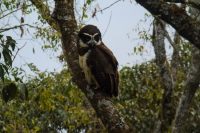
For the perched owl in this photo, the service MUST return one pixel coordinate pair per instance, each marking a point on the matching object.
(97, 61)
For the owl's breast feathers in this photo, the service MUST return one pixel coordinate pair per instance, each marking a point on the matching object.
(103, 66)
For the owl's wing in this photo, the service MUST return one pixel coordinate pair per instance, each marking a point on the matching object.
(103, 66)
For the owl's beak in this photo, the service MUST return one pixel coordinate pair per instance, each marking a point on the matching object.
(92, 44)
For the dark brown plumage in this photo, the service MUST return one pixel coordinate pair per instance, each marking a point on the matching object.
(97, 61)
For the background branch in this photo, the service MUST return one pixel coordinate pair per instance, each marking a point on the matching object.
(45, 13)
(175, 63)
(109, 6)
(166, 114)
(12, 12)
(15, 27)
(18, 49)
(177, 17)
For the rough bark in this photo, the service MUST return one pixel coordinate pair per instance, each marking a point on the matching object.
(166, 114)
(191, 85)
(175, 63)
(63, 17)
(177, 17)
(44, 11)
(192, 3)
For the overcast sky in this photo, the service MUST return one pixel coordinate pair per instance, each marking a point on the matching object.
(118, 25)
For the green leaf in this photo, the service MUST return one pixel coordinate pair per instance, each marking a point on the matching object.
(5, 68)
(1, 36)
(11, 42)
(1, 72)
(7, 57)
(89, 2)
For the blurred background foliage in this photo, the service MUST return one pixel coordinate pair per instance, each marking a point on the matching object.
(50, 102)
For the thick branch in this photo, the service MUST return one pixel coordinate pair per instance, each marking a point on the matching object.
(64, 15)
(177, 17)
(192, 3)
(166, 114)
(44, 11)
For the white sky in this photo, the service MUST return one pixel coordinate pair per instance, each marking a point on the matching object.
(121, 19)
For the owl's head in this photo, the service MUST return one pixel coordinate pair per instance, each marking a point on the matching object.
(89, 36)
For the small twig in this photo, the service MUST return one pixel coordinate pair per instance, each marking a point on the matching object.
(18, 51)
(15, 27)
(109, 6)
(108, 24)
(12, 12)
(169, 39)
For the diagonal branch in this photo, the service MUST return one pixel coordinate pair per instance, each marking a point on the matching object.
(14, 27)
(166, 114)
(5, 15)
(177, 17)
(175, 62)
(109, 6)
(44, 11)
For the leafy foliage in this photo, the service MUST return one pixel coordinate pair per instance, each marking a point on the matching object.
(141, 95)
(53, 104)
(8, 46)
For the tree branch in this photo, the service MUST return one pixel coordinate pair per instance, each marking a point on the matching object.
(14, 27)
(166, 114)
(177, 17)
(18, 49)
(64, 15)
(109, 6)
(44, 11)
(175, 62)
(191, 3)
(12, 12)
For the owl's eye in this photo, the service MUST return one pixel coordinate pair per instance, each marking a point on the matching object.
(96, 38)
(86, 38)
